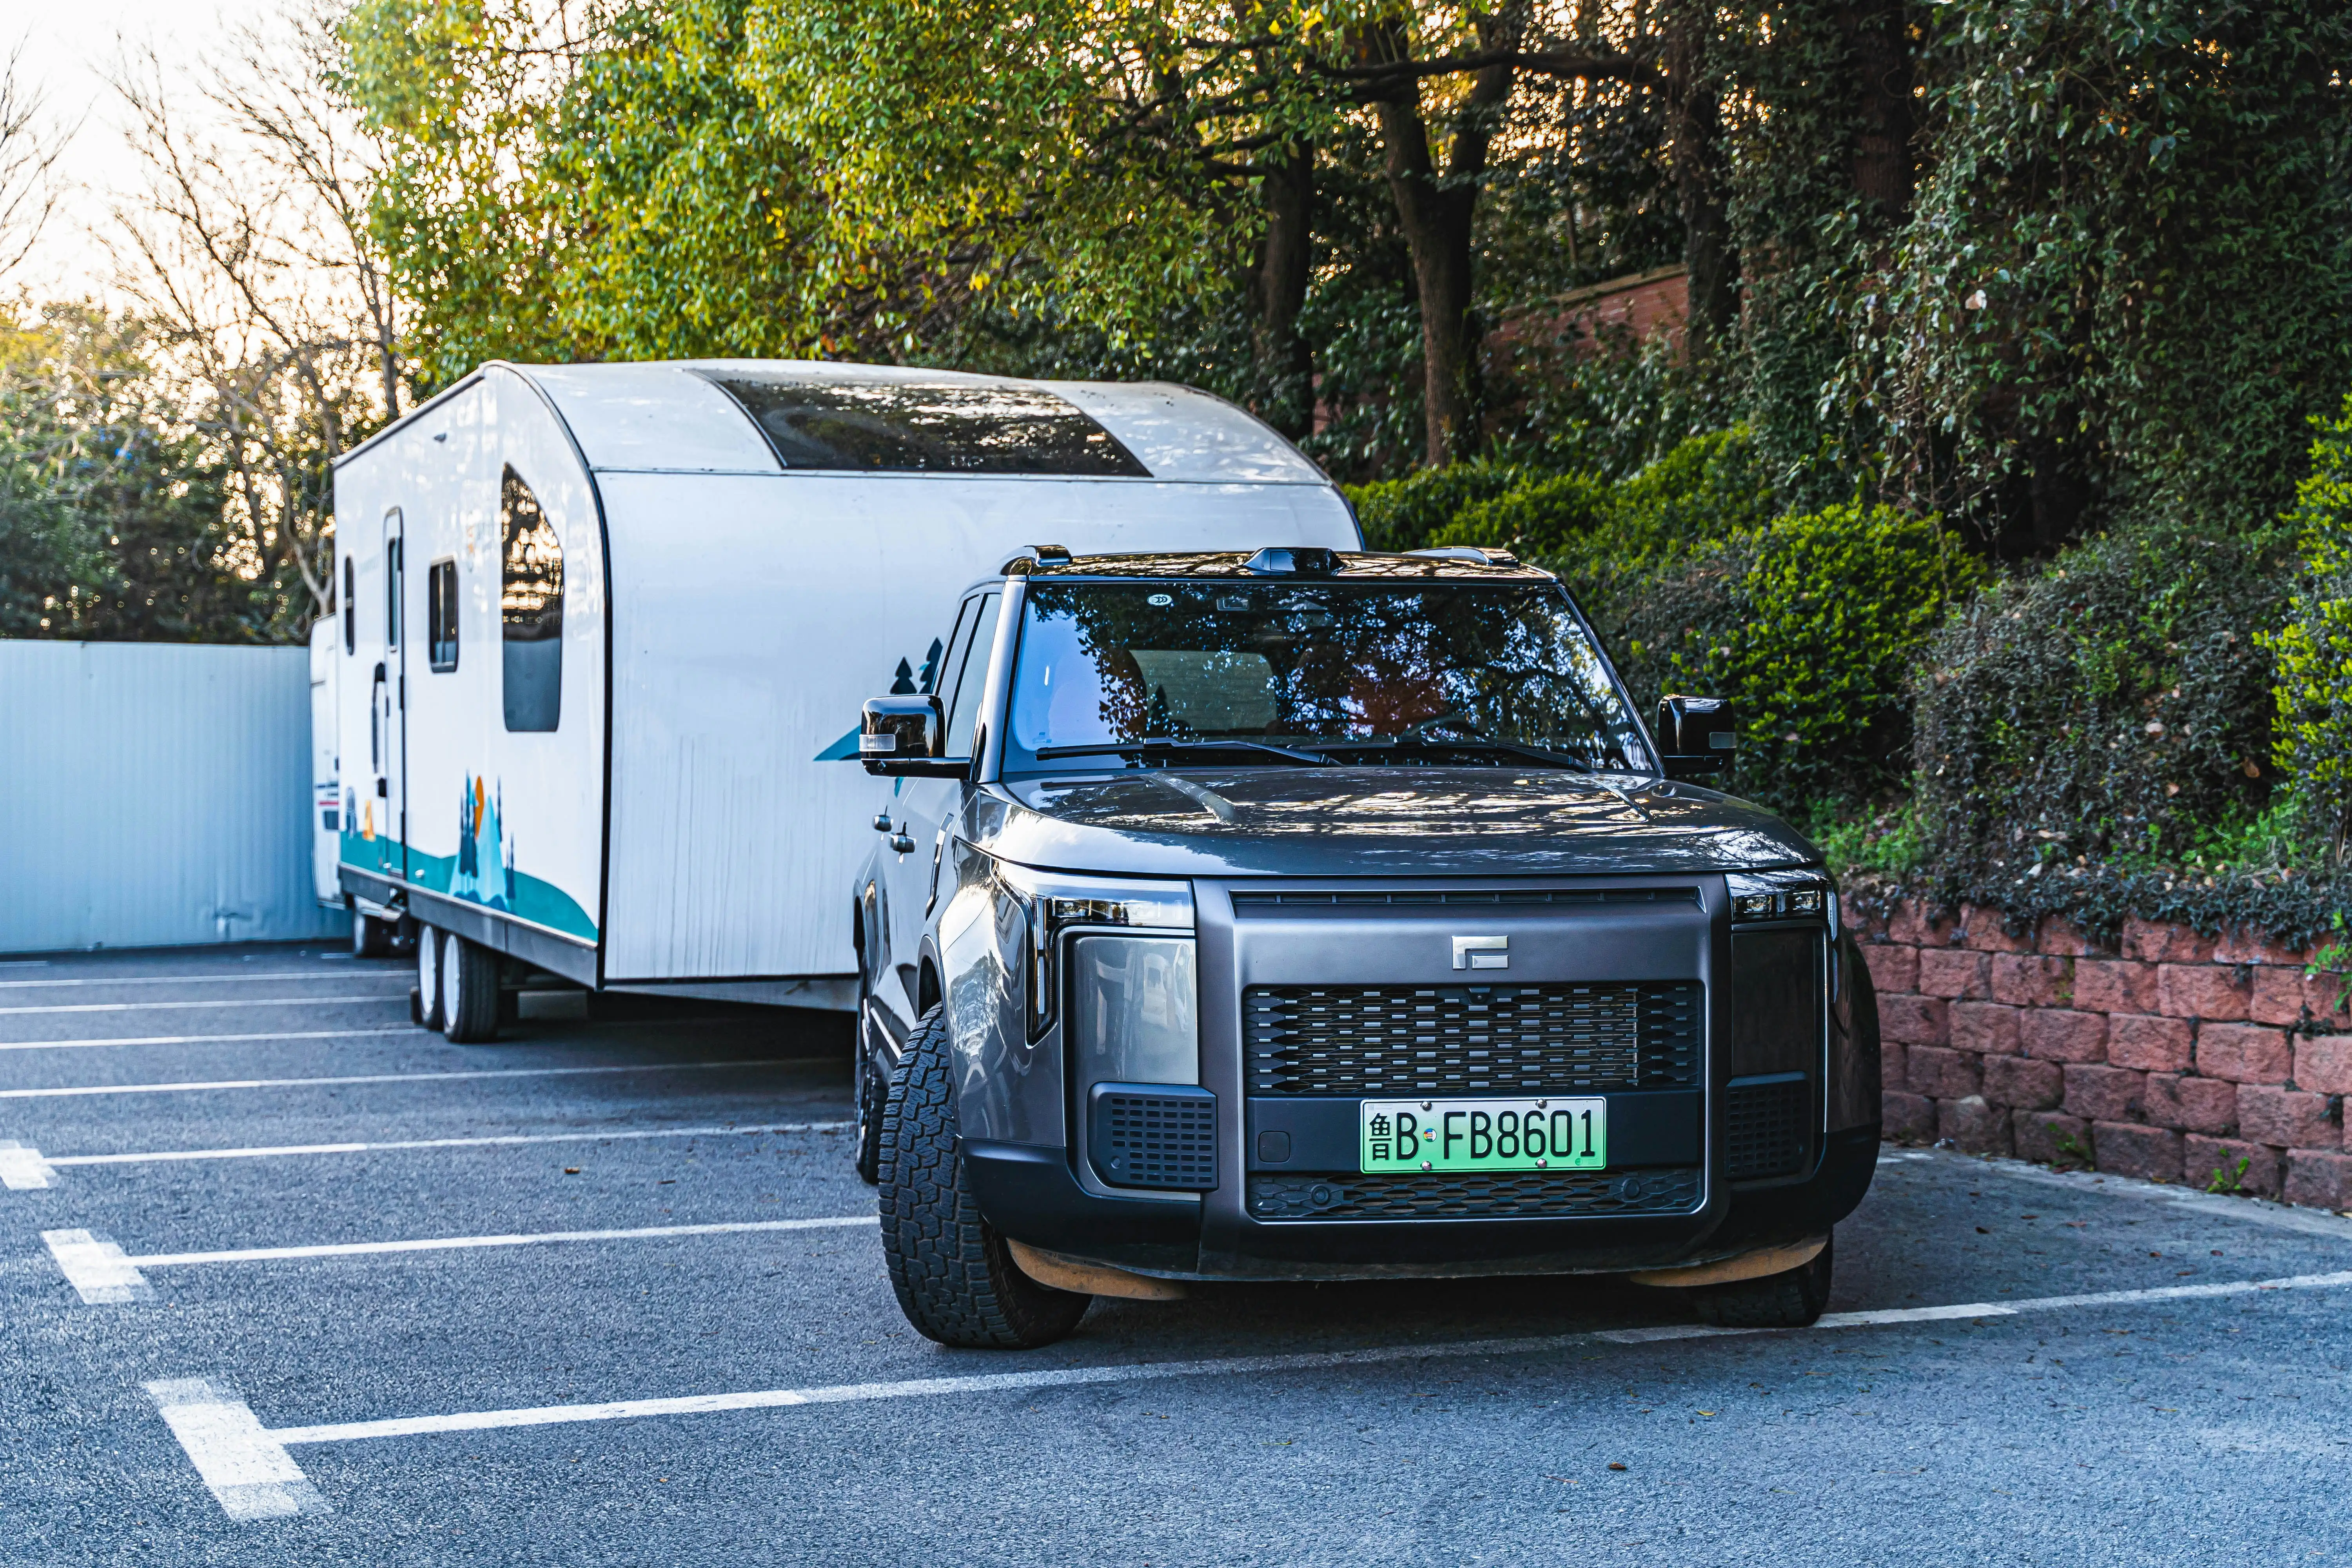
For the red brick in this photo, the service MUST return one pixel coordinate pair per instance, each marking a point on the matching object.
(1951, 971)
(1974, 1127)
(1985, 1027)
(2024, 1083)
(2320, 1181)
(2051, 1138)
(2152, 1044)
(2153, 942)
(1985, 930)
(1894, 1061)
(2287, 996)
(2207, 1105)
(2324, 1063)
(1915, 1020)
(2286, 1119)
(2114, 985)
(1907, 1118)
(2104, 1094)
(1943, 1074)
(2202, 1159)
(2057, 1035)
(2200, 991)
(1892, 968)
(2241, 946)
(2064, 939)
(1919, 927)
(2243, 1054)
(2128, 1149)
(2027, 979)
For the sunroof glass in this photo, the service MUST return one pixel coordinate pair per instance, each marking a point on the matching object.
(927, 428)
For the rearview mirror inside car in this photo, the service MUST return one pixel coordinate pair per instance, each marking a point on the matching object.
(1697, 737)
(903, 736)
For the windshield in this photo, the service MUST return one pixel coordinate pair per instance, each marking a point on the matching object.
(1441, 672)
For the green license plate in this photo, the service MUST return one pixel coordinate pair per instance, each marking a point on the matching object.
(1549, 1134)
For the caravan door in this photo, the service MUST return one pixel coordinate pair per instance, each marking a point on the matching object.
(389, 720)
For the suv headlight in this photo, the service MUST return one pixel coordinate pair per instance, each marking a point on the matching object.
(1123, 950)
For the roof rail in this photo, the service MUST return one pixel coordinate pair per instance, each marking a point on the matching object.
(1478, 554)
(1293, 560)
(1035, 555)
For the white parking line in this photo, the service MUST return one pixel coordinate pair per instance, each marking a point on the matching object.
(345, 976)
(228, 1083)
(96, 1268)
(104, 1275)
(273, 1442)
(34, 1164)
(212, 1039)
(248, 1471)
(191, 1006)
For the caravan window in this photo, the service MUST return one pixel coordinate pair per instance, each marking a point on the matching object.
(351, 611)
(392, 592)
(922, 428)
(441, 615)
(964, 712)
(530, 608)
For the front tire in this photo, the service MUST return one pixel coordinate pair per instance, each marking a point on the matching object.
(469, 991)
(1792, 1300)
(953, 1274)
(428, 977)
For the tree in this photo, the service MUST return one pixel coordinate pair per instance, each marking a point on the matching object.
(29, 148)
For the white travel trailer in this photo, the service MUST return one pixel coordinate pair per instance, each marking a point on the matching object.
(603, 632)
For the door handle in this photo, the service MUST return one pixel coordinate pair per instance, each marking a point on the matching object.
(903, 843)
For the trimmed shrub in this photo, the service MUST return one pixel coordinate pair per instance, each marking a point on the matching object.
(1403, 514)
(2115, 706)
(2313, 734)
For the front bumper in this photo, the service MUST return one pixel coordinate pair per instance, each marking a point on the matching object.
(1030, 1193)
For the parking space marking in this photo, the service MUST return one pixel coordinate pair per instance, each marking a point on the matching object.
(191, 1006)
(405, 976)
(1063, 1377)
(96, 1268)
(44, 1165)
(465, 1243)
(22, 1167)
(229, 1083)
(249, 1472)
(212, 1039)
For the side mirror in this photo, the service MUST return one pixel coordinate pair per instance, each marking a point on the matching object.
(903, 736)
(1696, 738)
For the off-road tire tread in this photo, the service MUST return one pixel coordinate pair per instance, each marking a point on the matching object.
(1792, 1300)
(954, 1274)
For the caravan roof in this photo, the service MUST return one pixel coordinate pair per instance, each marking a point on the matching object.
(772, 416)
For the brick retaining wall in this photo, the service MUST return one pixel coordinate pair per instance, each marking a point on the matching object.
(2170, 1057)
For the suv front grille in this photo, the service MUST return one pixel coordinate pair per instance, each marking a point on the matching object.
(1768, 1127)
(1369, 1040)
(1496, 1194)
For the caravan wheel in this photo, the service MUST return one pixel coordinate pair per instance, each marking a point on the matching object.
(428, 977)
(469, 991)
(371, 938)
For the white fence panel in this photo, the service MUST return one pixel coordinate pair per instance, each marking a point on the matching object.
(153, 795)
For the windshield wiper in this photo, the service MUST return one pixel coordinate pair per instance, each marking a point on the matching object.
(1505, 748)
(1169, 744)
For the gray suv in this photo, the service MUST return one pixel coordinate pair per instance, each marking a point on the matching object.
(1308, 915)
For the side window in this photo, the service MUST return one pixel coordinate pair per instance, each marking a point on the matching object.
(530, 608)
(934, 675)
(964, 711)
(351, 609)
(392, 592)
(441, 615)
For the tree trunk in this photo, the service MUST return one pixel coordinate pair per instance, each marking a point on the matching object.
(1695, 155)
(1285, 361)
(1436, 213)
(1879, 37)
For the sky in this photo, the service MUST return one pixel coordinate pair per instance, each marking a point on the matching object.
(67, 45)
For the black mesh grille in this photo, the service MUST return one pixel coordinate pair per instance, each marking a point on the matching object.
(1248, 904)
(1155, 1139)
(1366, 1040)
(1498, 1195)
(1768, 1127)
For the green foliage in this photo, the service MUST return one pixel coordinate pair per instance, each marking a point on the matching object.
(1408, 513)
(2113, 708)
(2314, 648)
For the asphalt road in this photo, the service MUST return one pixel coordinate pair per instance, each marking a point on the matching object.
(748, 1393)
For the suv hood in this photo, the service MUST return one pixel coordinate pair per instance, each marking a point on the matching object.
(1378, 822)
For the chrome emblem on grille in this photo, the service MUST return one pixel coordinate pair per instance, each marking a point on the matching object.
(1482, 953)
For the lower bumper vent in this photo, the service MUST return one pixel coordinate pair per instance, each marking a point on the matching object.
(1154, 1135)
(1768, 1127)
(1504, 1194)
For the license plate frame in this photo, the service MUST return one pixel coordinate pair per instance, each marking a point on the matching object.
(1448, 1134)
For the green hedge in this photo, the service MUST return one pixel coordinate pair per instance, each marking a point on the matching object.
(2313, 695)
